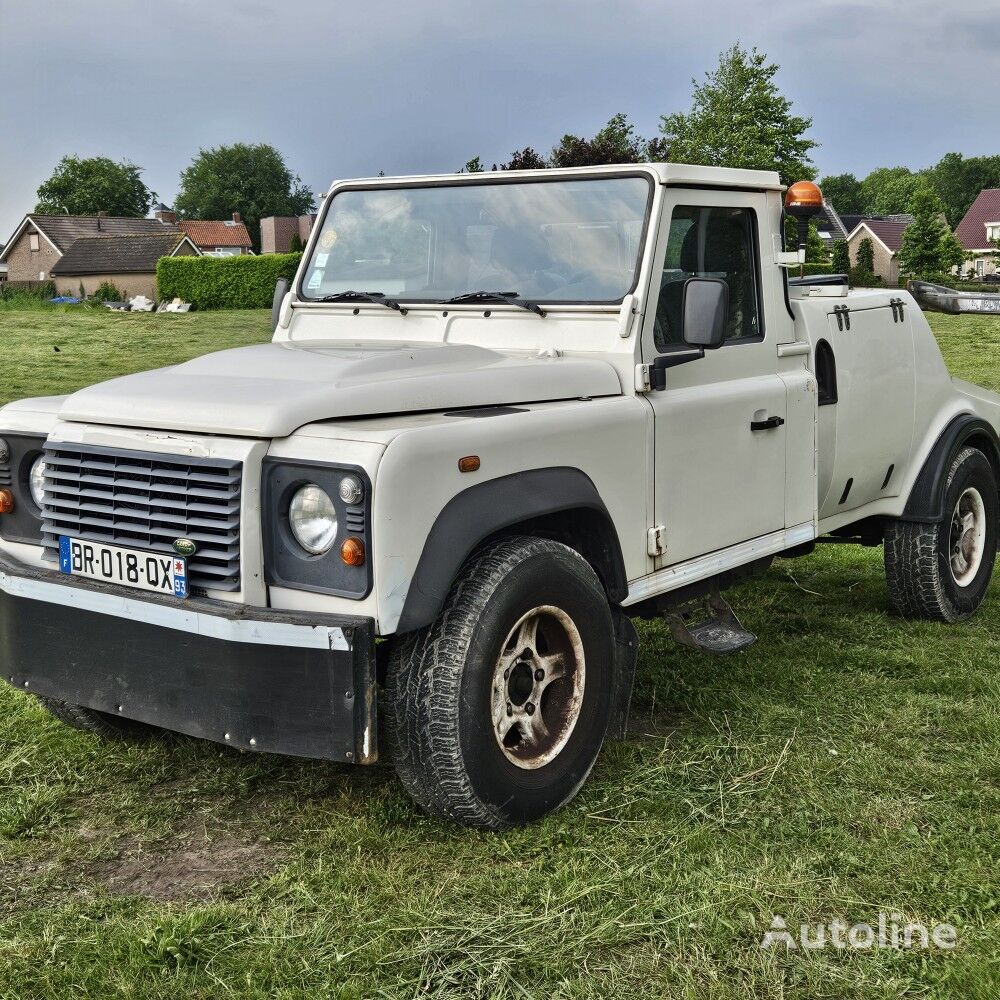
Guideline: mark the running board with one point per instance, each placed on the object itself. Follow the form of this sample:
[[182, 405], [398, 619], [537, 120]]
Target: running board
[[709, 624]]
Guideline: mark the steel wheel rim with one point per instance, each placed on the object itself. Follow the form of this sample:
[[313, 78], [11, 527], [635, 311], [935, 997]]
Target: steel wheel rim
[[967, 537], [537, 688]]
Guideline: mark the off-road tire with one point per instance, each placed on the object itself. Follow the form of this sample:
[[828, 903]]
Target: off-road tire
[[440, 681], [89, 720], [917, 556]]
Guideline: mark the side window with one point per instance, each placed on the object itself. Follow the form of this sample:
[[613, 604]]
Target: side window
[[710, 242]]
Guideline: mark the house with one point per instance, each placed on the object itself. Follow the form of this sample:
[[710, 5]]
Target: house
[[278, 231], [830, 226], [42, 240], [979, 232], [226, 238], [886, 235], [3, 266], [127, 261]]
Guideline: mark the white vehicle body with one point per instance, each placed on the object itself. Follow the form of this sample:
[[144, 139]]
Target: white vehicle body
[[689, 489]]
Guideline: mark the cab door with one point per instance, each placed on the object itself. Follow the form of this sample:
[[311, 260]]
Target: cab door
[[720, 423]]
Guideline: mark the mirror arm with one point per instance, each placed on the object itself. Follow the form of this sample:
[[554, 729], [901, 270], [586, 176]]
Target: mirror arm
[[658, 369]]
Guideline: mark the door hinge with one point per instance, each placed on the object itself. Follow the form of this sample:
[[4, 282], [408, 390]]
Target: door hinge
[[897, 310], [843, 314], [656, 540], [643, 381]]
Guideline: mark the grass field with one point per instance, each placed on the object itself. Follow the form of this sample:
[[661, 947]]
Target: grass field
[[844, 766]]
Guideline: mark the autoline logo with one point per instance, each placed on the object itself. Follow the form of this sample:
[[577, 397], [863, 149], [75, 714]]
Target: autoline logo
[[888, 932]]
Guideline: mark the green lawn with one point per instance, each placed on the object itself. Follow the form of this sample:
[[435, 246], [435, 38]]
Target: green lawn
[[845, 765]]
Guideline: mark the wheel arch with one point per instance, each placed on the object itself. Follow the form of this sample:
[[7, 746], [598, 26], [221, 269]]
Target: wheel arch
[[561, 503], [926, 500]]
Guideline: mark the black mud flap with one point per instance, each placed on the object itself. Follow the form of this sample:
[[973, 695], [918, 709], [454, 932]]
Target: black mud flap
[[626, 658]]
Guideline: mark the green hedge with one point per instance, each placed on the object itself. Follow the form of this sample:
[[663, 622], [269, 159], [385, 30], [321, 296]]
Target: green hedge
[[243, 282]]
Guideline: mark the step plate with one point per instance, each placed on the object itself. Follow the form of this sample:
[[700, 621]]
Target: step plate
[[720, 639]]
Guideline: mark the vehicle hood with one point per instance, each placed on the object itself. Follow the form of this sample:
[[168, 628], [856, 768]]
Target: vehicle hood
[[270, 390]]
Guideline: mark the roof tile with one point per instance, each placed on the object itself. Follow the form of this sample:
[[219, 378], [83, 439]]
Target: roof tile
[[117, 254], [971, 231], [206, 233]]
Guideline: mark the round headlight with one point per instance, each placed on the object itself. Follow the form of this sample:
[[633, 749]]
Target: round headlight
[[351, 490], [313, 520], [36, 481]]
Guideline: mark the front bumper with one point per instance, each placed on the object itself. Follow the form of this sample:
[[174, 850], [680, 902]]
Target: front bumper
[[252, 678]]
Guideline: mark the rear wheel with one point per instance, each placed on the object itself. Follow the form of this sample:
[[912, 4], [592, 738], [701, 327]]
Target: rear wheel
[[942, 571], [89, 720], [497, 711]]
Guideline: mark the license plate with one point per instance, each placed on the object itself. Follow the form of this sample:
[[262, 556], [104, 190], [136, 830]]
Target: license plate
[[153, 571]]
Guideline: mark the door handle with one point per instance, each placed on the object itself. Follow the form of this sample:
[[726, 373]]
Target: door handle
[[766, 425]]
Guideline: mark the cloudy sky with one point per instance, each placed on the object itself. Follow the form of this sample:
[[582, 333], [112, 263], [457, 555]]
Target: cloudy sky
[[350, 88]]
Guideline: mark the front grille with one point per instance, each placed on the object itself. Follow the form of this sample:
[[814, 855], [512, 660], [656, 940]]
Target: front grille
[[145, 501]]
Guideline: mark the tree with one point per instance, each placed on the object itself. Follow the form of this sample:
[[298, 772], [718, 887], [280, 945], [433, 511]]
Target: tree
[[739, 118], [843, 191], [889, 190], [951, 252], [841, 257], [250, 179], [524, 159], [96, 184], [958, 181], [473, 166], [617, 142], [866, 256], [921, 250]]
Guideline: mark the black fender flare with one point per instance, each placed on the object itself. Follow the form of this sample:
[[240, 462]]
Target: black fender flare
[[926, 500], [487, 508]]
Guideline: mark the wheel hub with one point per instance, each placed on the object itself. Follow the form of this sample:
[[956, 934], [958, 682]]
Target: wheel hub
[[967, 540], [538, 687]]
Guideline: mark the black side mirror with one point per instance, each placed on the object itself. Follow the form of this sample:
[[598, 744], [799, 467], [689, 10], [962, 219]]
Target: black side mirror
[[280, 291], [705, 311]]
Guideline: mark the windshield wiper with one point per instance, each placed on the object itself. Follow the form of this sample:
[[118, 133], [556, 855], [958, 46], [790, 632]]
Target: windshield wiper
[[375, 297], [511, 298]]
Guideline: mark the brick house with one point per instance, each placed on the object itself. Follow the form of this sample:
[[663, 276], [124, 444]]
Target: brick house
[[127, 261], [886, 235], [225, 238], [41, 240], [979, 232], [277, 232]]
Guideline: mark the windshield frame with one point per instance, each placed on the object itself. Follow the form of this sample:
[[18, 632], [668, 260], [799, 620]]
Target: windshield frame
[[491, 177]]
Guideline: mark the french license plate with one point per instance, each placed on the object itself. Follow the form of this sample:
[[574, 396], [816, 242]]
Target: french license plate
[[154, 571]]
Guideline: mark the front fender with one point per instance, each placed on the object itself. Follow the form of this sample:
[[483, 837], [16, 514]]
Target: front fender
[[487, 508]]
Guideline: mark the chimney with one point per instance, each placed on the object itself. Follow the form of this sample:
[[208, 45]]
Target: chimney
[[100, 215], [166, 215], [237, 217]]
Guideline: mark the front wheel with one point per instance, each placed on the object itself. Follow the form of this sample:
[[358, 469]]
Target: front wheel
[[942, 571], [497, 711]]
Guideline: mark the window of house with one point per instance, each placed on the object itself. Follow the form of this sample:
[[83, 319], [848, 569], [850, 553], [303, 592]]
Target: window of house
[[711, 242], [33, 241]]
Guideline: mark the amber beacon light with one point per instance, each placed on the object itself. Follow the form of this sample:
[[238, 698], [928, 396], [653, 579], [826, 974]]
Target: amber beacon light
[[803, 200]]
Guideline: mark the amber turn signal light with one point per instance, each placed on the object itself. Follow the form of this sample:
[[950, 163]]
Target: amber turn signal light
[[803, 199], [352, 551], [469, 464], [6, 502]]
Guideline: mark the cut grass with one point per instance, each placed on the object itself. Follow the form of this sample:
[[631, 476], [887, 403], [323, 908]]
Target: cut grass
[[843, 766]]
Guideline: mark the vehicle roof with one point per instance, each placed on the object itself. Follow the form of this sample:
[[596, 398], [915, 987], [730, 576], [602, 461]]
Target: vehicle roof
[[686, 174]]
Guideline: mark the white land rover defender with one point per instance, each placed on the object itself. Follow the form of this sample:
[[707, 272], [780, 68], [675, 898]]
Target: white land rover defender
[[501, 415]]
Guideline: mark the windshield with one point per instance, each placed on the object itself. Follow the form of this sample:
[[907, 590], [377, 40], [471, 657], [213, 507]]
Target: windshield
[[575, 241]]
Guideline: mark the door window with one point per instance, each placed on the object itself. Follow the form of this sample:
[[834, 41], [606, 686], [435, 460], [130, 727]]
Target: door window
[[711, 242]]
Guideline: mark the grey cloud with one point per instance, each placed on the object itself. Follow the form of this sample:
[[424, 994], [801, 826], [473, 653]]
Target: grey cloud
[[351, 88]]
